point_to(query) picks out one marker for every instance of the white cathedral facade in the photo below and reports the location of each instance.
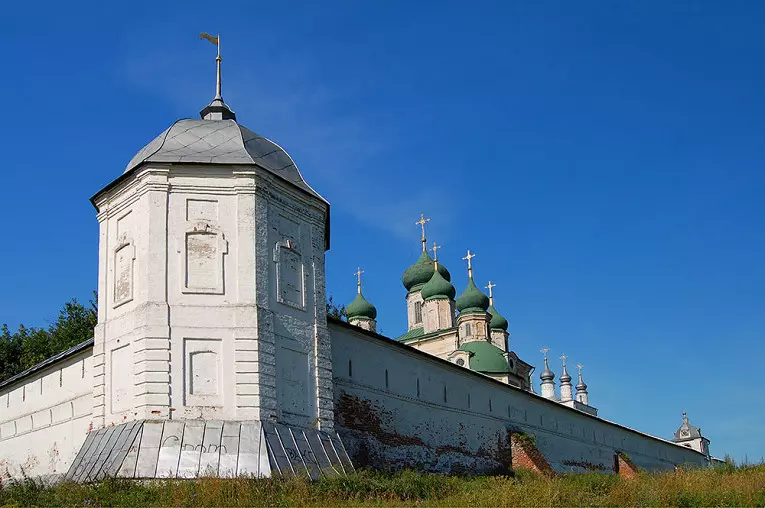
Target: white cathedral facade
(213, 351)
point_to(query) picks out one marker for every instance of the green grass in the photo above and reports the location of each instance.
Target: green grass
(725, 486)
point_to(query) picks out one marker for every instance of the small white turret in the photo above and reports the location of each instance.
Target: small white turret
(566, 390)
(581, 389)
(547, 376)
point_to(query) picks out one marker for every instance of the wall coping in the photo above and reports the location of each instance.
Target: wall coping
(82, 346)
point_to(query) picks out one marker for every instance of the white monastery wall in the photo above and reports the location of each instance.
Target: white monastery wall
(397, 407)
(44, 418)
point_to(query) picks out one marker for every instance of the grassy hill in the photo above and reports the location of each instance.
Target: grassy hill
(722, 486)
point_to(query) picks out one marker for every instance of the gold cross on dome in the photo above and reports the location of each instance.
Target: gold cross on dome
(422, 223)
(490, 286)
(468, 258)
(435, 251)
(358, 273)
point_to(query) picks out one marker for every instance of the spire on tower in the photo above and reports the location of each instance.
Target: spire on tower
(581, 388)
(217, 109)
(547, 377)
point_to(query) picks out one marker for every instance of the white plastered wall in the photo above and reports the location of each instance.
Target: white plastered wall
(211, 299)
(432, 414)
(44, 418)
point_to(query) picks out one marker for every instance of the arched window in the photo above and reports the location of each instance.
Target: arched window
(468, 330)
(418, 312)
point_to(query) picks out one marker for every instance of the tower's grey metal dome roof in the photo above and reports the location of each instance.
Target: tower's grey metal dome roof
(564, 377)
(220, 142)
(686, 430)
(547, 374)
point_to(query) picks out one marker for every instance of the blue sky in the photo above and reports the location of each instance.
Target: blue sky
(603, 159)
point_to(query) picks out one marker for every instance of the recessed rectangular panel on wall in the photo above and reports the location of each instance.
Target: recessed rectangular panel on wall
(294, 387)
(203, 263)
(124, 257)
(289, 275)
(202, 368)
(124, 260)
(202, 210)
(121, 379)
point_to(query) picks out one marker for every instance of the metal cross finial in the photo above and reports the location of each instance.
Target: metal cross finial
(435, 251)
(422, 223)
(545, 350)
(564, 358)
(490, 286)
(358, 273)
(580, 367)
(470, 265)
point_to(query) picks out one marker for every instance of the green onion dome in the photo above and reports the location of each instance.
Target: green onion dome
(421, 272)
(361, 308)
(485, 357)
(472, 299)
(438, 287)
(497, 321)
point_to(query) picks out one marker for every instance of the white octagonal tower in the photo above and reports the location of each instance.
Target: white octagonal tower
(211, 283)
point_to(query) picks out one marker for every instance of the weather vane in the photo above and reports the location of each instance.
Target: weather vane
(422, 223)
(215, 39)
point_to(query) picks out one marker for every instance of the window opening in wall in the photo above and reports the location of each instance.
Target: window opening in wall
(444, 393)
(418, 387)
(468, 330)
(418, 312)
(8, 400)
(508, 412)
(23, 393)
(83, 369)
(386, 379)
(350, 368)
(60, 378)
(468, 401)
(489, 405)
(41, 385)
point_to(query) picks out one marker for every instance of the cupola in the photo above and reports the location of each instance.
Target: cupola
(422, 271)
(438, 286)
(360, 312)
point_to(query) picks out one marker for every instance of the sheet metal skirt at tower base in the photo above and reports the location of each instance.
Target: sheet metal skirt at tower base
(196, 448)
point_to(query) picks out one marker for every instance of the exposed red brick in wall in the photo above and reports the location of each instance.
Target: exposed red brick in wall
(525, 454)
(624, 467)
